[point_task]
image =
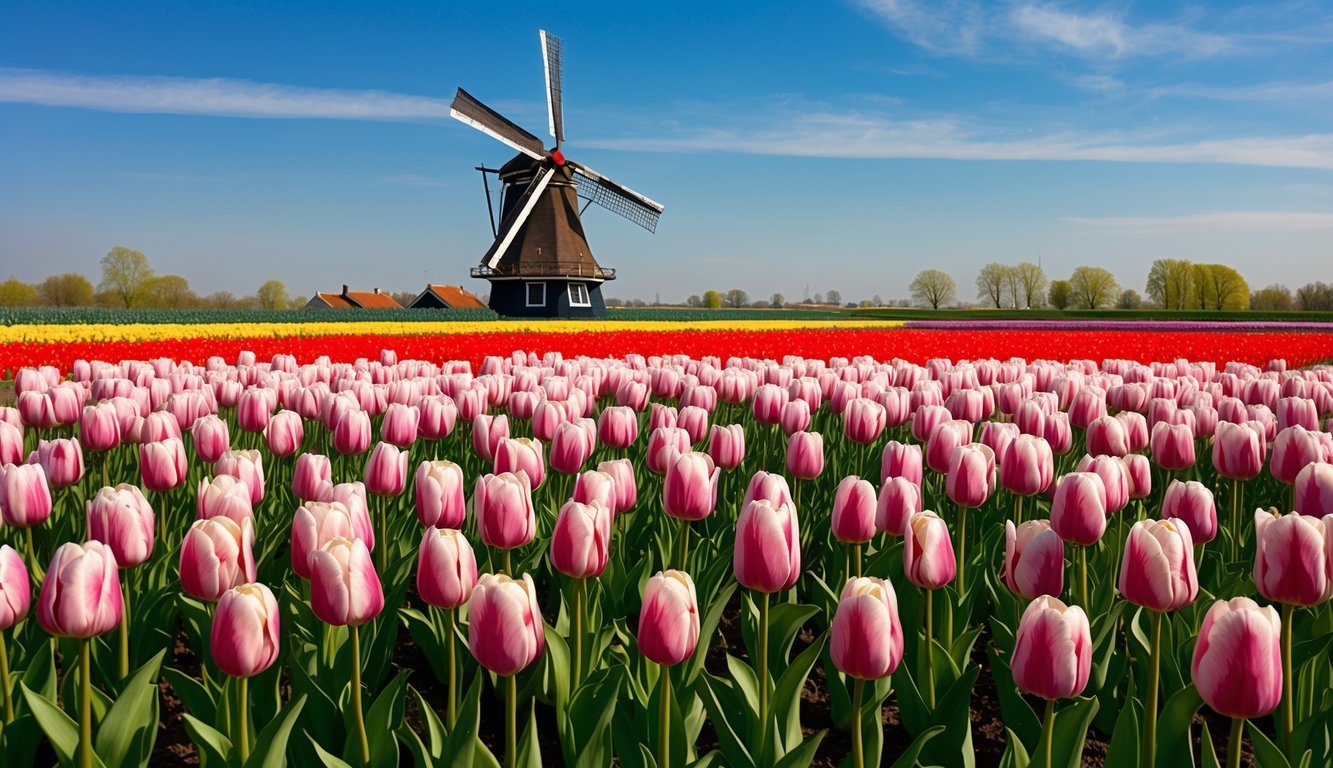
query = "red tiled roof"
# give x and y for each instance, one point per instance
(372, 300)
(455, 296)
(334, 300)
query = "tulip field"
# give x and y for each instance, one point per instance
(649, 544)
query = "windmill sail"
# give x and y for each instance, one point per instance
(617, 198)
(468, 109)
(512, 227)
(555, 107)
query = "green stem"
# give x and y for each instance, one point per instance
(858, 749)
(1233, 745)
(930, 656)
(4, 680)
(1150, 710)
(361, 740)
(578, 634)
(508, 569)
(453, 667)
(664, 719)
(1235, 520)
(1018, 511)
(962, 551)
(856, 559)
(763, 671)
(125, 630)
(1288, 717)
(32, 553)
(1048, 732)
(242, 717)
(85, 704)
(511, 722)
(684, 543)
(1083, 577)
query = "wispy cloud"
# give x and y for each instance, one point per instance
(1214, 221)
(1269, 92)
(825, 133)
(954, 26)
(212, 96)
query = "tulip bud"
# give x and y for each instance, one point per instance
(62, 460)
(805, 455)
(439, 494)
(863, 420)
(1053, 650)
(1237, 451)
(1293, 450)
(664, 444)
(386, 470)
(669, 619)
(572, 444)
(901, 460)
(795, 417)
(928, 558)
(25, 496)
(854, 506)
(581, 541)
(618, 426)
(1027, 466)
(1172, 446)
(943, 439)
(80, 595)
(727, 445)
(866, 636)
(1115, 479)
(899, 499)
(246, 466)
(505, 628)
(15, 589)
(99, 427)
(1192, 504)
(211, 438)
(1157, 571)
(315, 524)
(1314, 490)
(351, 433)
(216, 555)
(521, 454)
(694, 421)
(162, 464)
(626, 485)
(1034, 559)
(1237, 664)
(689, 491)
(446, 568)
(244, 638)
(284, 433)
(767, 556)
(1293, 559)
(1106, 436)
(1078, 511)
(313, 472)
(344, 588)
(400, 424)
(11, 444)
(971, 475)
(503, 507)
(122, 519)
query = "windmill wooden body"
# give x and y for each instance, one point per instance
(540, 264)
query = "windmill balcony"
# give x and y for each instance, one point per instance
(572, 271)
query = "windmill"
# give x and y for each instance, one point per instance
(540, 264)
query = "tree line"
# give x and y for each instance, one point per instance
(1172, 284)
(129, 282)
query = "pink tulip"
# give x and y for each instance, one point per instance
(926, 418)
(313, 472)
(80, 596)
(971, 475)
(669, 619)
(805, 455)
(664, 444)
(254, 408)
(866, 636)
(689, 491)
(1078, 511)
(1293, 450)
(15, 589)
(626, 485)
(1136, 430)
(351, 433)
(62, 460)
(315, 524)
(1106, 435)
(1237, 451)
(1192, 504)
(768, 486)
(246, 466)
(1034, 559)
(216, 555)
(1172, 446)
(503, 507)
(162, 464)
(353, 496)
(284, 433)
(595, 486)
(726, 445)
(795, 417)
(928, 558)
(998, 436)
(854, 507)
(400, 424)
(1292, 411)
(122, 519)
(901, 460)
(1293, 559)
(767, 556)
(439, 494)
(571, 446)
(1058, 433)
(66, 402)
(505, 629)
(1314, 490)
(211, 438)
(244, 638)
(1237, 664)
(943, 439)
(99, 427)
(618, 426)
(1115, 479)
(769, 400)
(11, 444)
(1027, 466)
(446, 568)
(694, 421)
(158, 426)
(344, 588)
(487, 433)
(581, 541)
(36, 409)
(223, 496)
(437, 418)
(25, 496)
(1138, 471)
(1053, 649)
(1088, 405)
(521, 454)
(863, 420)
(1157, 571)
(899, 499)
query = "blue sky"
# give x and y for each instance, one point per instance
(840, 144)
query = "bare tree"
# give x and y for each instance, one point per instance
(736, 298)
(933, 288)
(834, 297)
(777, 300)
(991, 282)
(1092, 287)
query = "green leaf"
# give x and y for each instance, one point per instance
(529, 750)
(786, 701)
(591, 713)
(1266, 753)
(271, 743)
(133, 714)
(913, 751)
(383, 719)
(803, 755)
(215, 749)
(707, 628)
(723, 703)
(1126, 749)
(1071, 730)
(460, 747)
(192, 693)
(1015, 754)
(1174, 743)
(59, 728)
(1016, 711)
(330, 760)
(1207, 753)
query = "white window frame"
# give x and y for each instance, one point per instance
(587, 297)
(527, 294)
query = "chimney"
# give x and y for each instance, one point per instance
(344, 289)
(377, 291)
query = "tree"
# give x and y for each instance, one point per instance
(876, 301)
(713, 300)
(402, 297)
(170, 292)
(991, 282)
(126, 274)
(777, 300)
(1129, 299)
(1031, 280)
(833, 297)
(695, 300)
(1315, 297)
(1171, 283)
(1092, 287)
(68, 290)
(1060, 293)
(1224, 288)
(818, 298)
(933, 288)
(736, 298)
(1272, 298)
(16, 293)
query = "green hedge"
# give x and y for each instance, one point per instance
(688, 314)
(898, 313)
(81, 315)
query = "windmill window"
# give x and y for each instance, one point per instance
(536, 294)
(578, 295)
